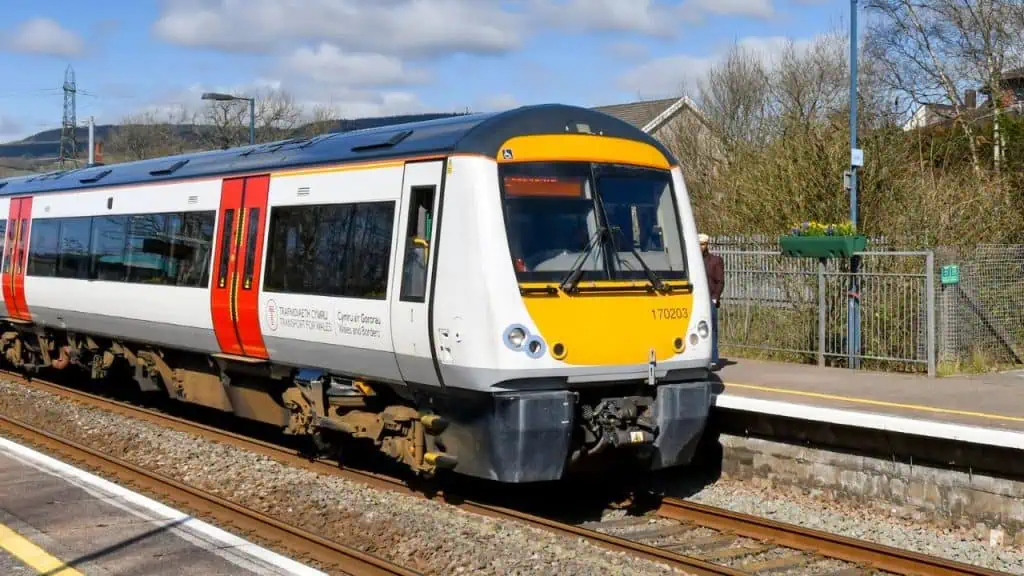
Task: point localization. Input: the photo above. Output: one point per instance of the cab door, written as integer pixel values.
(410, 297)
(15, 255)
(234, 298)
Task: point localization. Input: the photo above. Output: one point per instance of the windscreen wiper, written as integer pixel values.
(654, 278)
(571, 278)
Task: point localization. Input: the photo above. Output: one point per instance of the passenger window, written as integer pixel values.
(417, 244)
(250, 248)
(192, 249)
(330, 250)
(75, 235)
(147, 248)
(225, 247)
(7, 244)
(20, 254)
(108, 239)
(42, 256)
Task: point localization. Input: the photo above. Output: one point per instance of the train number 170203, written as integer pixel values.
(670, 313)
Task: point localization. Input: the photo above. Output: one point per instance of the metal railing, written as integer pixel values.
(797, 308)
(951, 308)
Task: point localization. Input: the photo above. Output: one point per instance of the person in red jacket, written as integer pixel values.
(715, 269)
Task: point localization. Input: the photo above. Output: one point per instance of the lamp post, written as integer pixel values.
(252, 109)
(856, 161)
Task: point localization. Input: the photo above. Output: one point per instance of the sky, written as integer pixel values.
(374, 57)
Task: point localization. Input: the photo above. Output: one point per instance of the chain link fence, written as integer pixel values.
(981, 305)
(920, 311)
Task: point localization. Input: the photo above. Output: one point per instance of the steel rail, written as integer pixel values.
(864, 552)
(294, 458)
(824, 544)
(301, 542)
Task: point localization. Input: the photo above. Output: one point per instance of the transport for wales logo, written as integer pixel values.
(272, 316)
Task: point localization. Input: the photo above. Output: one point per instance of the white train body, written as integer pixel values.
(348, 282)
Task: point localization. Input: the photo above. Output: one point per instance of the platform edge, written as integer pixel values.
(187, 521)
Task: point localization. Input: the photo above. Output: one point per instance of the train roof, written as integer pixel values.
(474, 133)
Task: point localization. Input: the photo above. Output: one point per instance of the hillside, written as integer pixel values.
(46, 144)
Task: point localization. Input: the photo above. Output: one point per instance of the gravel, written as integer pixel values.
(795, 505)
(423, 535)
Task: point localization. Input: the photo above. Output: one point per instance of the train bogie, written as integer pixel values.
(509, 295)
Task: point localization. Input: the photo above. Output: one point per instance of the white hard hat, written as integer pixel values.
(702, 238)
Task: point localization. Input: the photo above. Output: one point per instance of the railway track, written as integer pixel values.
(694, 538)
(300, 544)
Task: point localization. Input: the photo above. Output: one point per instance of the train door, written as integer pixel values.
(15, 255)
(4, 217)
(410, 322)
(234, 294)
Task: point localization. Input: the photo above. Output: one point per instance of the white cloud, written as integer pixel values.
(45, 36)
(665, 77)
(422, 27)
(697, 10)
(329, 65)
(348, 102)
(670, 75)
(640, 16)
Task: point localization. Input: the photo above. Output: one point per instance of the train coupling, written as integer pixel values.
(616, 423)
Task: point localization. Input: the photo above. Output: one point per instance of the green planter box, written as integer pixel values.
(822, 246)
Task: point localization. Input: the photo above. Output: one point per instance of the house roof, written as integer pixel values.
(649, 115)
(477, 133)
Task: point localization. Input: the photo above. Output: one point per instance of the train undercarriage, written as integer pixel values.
(418, 429)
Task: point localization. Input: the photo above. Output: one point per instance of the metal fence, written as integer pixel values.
(798, 308)
(981, 305)
(918, 309)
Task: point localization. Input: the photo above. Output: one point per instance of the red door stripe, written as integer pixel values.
(9, 255)
(21, 264)
(15, 257)
(224, 259)
(234, 298)
(250, 257)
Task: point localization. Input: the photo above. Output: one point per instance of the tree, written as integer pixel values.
(734, 97)
(931, 50)
(227, 122)
(152, 134)
(322, 119)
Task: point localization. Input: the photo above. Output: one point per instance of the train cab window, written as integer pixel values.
(419, 222)
(610, 222)
(75, 234)
(43, 251)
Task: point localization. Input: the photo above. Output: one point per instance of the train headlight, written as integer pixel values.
(702, 329)
(515, 336)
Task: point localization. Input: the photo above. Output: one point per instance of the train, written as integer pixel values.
(512, 296)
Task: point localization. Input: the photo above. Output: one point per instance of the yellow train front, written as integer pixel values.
(569, 314)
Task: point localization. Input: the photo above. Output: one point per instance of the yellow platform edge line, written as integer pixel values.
(33, 556)
(913, 407)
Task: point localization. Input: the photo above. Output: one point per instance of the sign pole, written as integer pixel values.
(856, 160)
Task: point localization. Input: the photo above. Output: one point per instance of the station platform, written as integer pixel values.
(58, 520)
(983, 409)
